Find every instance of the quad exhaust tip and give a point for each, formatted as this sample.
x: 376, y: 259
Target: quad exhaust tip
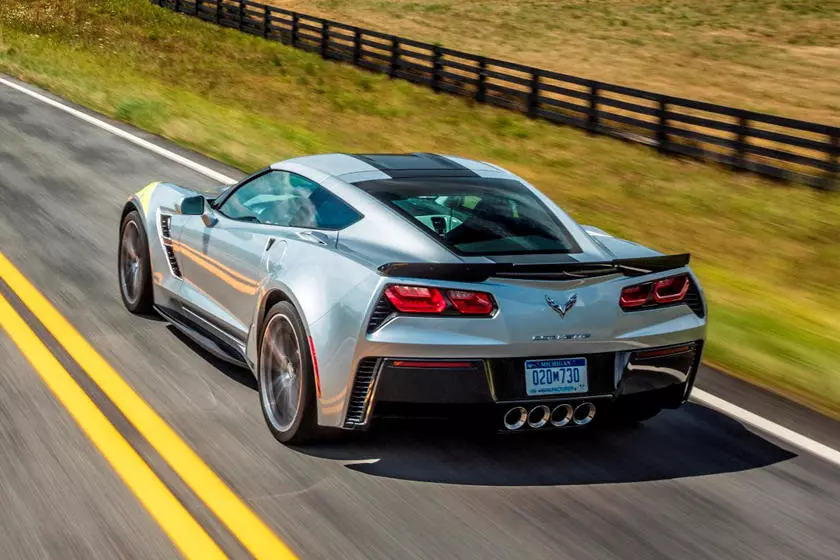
x: 561, y: 415
x: 515, y: 418
x: 584, y: 413
x: 541, y: 415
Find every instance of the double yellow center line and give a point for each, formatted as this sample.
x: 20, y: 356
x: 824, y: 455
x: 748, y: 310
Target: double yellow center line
x: 184, y: 531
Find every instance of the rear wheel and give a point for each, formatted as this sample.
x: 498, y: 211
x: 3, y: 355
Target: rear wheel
x: 286, y: 377
x: 134, y: 267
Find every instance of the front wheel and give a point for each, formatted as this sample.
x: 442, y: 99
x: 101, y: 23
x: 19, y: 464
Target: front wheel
x: 134, y: 266
x: 286, y: 377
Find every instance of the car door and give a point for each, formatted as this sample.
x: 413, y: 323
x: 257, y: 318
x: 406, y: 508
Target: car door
x: 207, y: 280
x: 247, y: 237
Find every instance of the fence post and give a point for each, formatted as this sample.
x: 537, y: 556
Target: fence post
x: 481, y: 86
x: 220, y: 4
x: 325, y: 38
x: 395, y: 56
x: 197, y: 12
x: 662, y: 125
x: 834, y: 161
x: 267, y: 22
x: 357, y: 46
x: 436, y: 67
x: 534, y: 95
x: 295, y: 22
x: 592, y: 120
x: 241, y: 15
x: 177, y: 5
x: 740, y: 160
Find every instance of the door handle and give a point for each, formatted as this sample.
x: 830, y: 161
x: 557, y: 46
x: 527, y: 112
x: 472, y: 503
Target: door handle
x: 270, y: 243
x: 315, y: 236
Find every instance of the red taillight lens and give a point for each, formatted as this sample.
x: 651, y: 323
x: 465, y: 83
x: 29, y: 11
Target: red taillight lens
x: 416, y: 299
x: 635, y: 296
x: 471, y: 303
x: 670, y: 290
x: 659, y: 352
x: 667, y: 290
x: 420, y: 299
x: 432, y: 365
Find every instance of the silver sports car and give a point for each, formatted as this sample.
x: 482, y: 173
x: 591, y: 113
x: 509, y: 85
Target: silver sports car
x: 365, y: 286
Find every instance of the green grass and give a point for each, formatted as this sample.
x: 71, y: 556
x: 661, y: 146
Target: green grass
x: 777, y: 56
x: 766, y: 253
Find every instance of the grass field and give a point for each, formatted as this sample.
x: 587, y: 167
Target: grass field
x: 767, y: 254
x: 775, y: 56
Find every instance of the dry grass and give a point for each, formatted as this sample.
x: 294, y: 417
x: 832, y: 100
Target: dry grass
x: 767, y: 254
x: 775, y: 56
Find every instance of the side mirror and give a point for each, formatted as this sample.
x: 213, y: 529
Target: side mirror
x: 191, y: 206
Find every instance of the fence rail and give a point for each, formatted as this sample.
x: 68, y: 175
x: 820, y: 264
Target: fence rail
x: 783, y: 148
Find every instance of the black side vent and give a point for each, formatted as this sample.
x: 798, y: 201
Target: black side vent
x: 360, y: 396
x: 164, y: 226
x: 694, y: 301
x: 173, y: 263
x: 381, y: 313
x: 165, y: 231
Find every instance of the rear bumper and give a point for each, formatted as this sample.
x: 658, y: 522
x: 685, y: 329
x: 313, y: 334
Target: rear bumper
x: 423, y: 387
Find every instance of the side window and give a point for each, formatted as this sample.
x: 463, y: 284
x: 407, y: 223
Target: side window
x: 250, y: 200
x: 284, y: 199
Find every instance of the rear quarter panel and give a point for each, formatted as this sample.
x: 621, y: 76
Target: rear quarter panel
x: 332, y: 294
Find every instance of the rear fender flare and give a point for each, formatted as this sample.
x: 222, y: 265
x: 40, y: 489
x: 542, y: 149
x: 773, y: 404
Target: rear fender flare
x: 268, y: 295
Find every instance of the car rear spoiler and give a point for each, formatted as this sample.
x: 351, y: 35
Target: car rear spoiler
x: 478, y: 272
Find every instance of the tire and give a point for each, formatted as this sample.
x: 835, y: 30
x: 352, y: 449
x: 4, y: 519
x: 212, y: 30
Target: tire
x: 286, y: 377
x: 134, y: 267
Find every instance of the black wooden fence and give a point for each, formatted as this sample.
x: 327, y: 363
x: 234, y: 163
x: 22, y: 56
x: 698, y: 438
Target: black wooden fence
x: 780, y: 147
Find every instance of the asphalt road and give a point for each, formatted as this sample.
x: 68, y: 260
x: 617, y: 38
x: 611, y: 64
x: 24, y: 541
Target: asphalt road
x: 692, y: 483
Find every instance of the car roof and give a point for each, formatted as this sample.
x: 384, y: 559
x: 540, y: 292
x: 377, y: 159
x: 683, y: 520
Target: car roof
x: 354, y: 168
x: 341, y: 172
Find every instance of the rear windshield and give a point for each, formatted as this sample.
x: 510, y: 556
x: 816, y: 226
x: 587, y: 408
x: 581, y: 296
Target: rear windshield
x: 476, y: 216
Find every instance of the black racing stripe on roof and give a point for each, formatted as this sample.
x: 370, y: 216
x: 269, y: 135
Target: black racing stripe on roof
x: 404, y: 166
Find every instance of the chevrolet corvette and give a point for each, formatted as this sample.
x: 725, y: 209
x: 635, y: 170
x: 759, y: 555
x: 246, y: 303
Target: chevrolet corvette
x: 356, y: 287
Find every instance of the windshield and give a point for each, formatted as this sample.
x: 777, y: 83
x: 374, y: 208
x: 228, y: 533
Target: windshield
x: 476, y: 216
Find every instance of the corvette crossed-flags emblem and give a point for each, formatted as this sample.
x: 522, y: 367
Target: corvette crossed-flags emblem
x: 564, y: 308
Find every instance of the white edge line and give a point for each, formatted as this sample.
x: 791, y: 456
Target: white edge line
x: 763, y: 424
x: 707, y: 399
x: 168, y: 154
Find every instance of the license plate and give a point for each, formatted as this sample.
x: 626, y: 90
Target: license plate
x: 561, y: 376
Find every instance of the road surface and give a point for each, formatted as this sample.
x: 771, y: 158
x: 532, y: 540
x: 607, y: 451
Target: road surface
x: 692, y: 483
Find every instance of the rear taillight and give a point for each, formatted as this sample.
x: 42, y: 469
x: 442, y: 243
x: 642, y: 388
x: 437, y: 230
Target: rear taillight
x: 650, y: 294
x: 416, y: 299
x: 421, y: 299
x: 670, y: 290
x: 635, y: 296
x: 471, y: 303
